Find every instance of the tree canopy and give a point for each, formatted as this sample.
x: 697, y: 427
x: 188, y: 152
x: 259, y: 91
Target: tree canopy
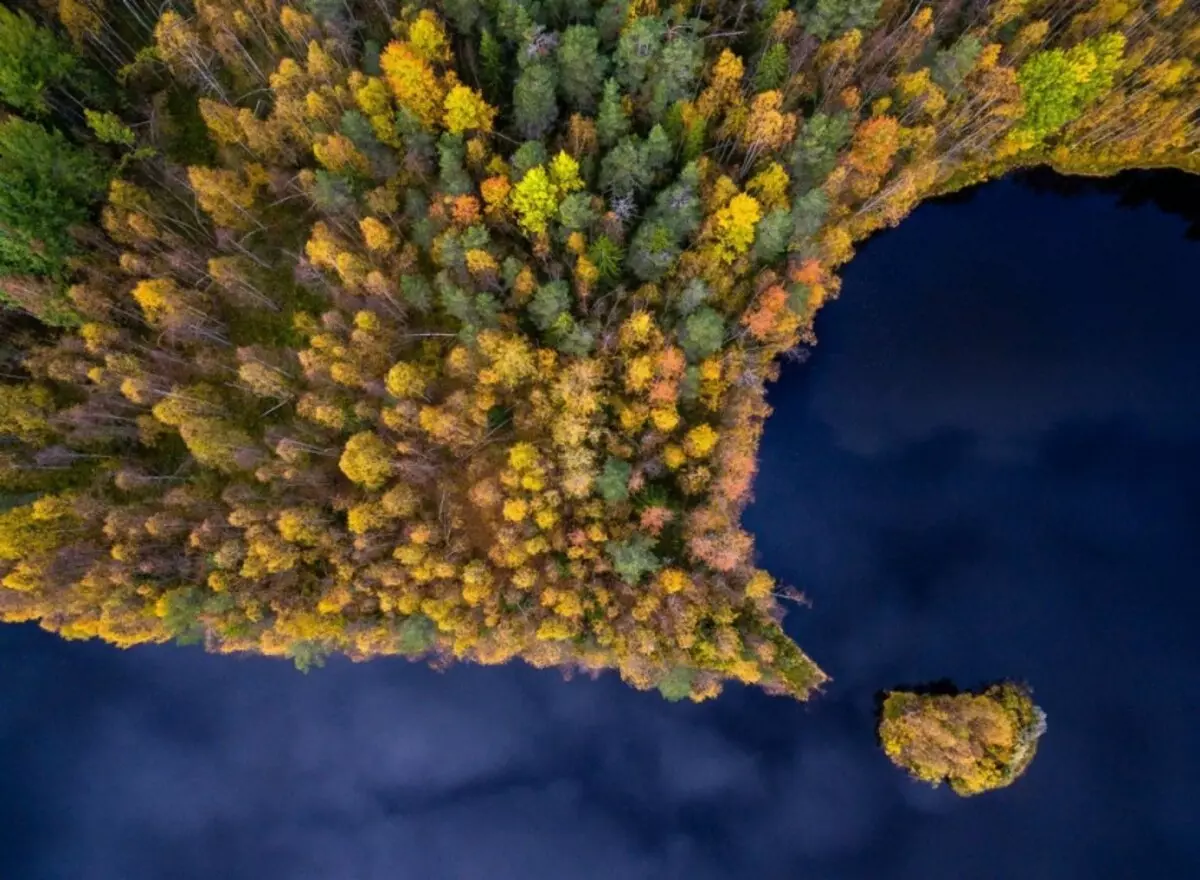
x: 442, y: 330
x: 976, y: 742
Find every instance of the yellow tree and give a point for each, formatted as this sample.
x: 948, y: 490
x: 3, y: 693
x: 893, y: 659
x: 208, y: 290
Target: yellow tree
x: 366, y: 460
x: 466, y: 110
x: 227, y: 197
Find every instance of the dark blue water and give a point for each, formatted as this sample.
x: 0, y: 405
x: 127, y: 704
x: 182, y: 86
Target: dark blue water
x: 990, y: 467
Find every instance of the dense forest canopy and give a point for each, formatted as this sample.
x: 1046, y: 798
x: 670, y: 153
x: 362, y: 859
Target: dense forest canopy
x: 976, y: 742
x: 442, y: 329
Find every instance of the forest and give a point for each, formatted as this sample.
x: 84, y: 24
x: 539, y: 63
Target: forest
x: 443, y: 329
x: 975, y: 741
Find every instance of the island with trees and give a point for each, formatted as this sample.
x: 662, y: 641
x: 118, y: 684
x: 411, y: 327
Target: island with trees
x: 976, y: 742
x: 442, y: 329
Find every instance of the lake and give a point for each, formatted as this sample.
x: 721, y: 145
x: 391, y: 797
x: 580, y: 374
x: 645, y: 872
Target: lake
x: 988, y: 468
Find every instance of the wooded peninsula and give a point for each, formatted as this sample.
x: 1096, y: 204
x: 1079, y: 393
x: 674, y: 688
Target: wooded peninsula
x: 443, y: 329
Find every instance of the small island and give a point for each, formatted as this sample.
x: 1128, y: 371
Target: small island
x: 975, y: 741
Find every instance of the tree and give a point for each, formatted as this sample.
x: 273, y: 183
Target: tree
x: 653, y: 250
x: 218, y: 444
x: 534, y: 200
x: 951, y: 65
x: 25, y: 412
x: 178, y: 44
x: 452, y: 175
x: 32, y: 529
x: 366, y: 460
x: 874, y: 146
x: 228, y: 197
x: 771, y: 235
x: 673, y: 76
x: 427, y: 38
x: 109, y: 128
x: 640, y: 42
x: 576, y: 212
x: 828, y: 18
x: 676, y: 685
x: 463, y: 14
x: 535, y: 108
x: 491, y: 58
x: 416, y: 633
x: 414, y: 82
x: 624, y: 170
x: 612, y: 122
x: 732, y: 228
x: 581, y: 67
x: 31, y: 60
x: 529, y: 155
x: 633, y: 558
x: 808, y: 214
x: 772, y: 68
x: 551, y: 302
x: 767, y: 127
x: 467, y: 111
x: 83, y: 19
x: 46, y: 187
x: 678, y: 206
x: 1057, y: 86
x: 339, y: 155
x: 814, y: 154
x: 613, y: 483
x: 703, y: 333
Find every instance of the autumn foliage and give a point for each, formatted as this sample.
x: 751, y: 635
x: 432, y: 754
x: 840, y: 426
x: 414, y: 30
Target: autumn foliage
x: 442, y: 329
x: 976, y: 742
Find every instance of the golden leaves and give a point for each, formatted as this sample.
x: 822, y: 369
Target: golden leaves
x: 414, y: 82
x: 466, y: 110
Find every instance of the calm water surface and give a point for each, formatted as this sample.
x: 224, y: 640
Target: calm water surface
x: 989, y: 468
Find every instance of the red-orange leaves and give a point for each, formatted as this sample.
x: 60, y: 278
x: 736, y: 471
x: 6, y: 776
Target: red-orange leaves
x: 874, y: 146
x: 770, y: 314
